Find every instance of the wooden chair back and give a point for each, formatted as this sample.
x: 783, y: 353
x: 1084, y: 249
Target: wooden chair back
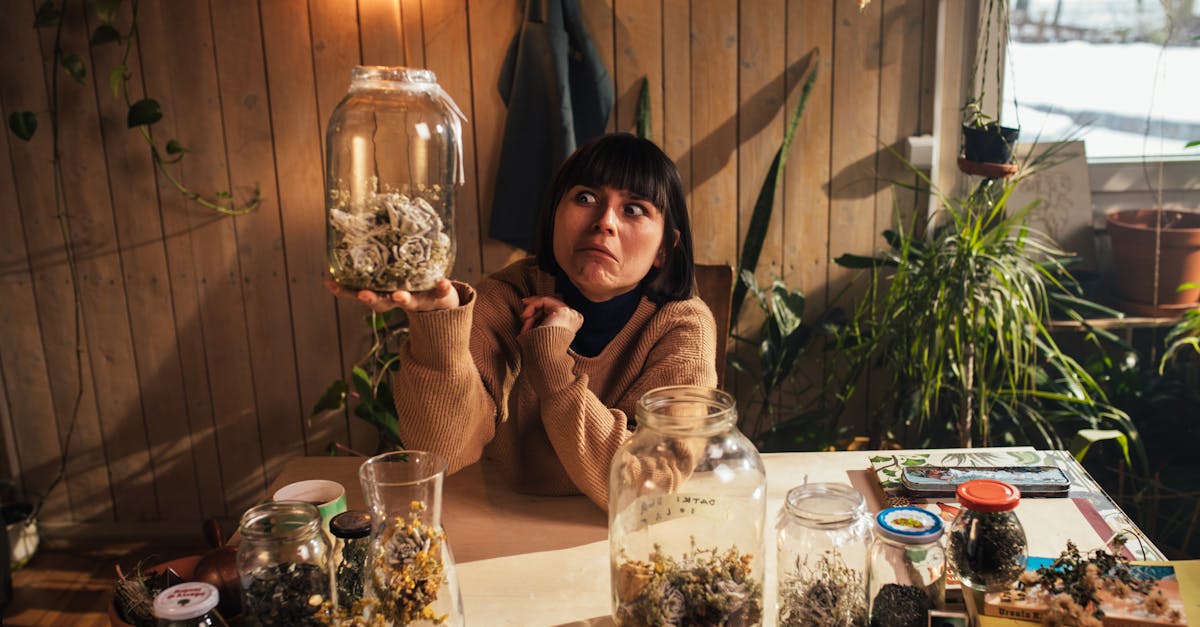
x: 714, y: 285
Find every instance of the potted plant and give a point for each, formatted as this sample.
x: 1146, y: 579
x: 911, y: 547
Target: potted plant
x: 985, y: 140
x: 957, y: 318
x: 987, y: 146
x: 1156, y: 260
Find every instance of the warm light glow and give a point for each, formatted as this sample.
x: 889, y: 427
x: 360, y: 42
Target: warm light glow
x: 358, y: 171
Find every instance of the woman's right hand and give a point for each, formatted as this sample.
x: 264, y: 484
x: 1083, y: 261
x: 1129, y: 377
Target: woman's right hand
x: 441, y: 296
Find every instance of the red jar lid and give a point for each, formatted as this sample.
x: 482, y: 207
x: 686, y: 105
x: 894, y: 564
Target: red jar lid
x: 988, y: 495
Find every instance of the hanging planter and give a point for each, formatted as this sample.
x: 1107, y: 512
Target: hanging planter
x: 990, y: 143
x: 987, y: 146
x: 1138, y: 236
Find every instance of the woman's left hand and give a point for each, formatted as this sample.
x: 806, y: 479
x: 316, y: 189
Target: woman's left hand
x: 546, y: 311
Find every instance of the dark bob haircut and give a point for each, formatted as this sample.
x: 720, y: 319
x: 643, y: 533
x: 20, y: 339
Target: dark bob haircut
x: 625, y: 161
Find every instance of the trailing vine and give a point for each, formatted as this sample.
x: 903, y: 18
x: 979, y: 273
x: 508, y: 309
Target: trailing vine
x: 142, y: 115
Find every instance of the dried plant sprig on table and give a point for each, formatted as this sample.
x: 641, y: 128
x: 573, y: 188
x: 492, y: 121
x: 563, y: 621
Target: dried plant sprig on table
x: 831, y: 594
x: 701, y: 587
x: 388, y: 241
x: 1070, y: 586
x: 134, y: 593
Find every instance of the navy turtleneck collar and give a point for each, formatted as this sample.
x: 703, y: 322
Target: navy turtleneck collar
x: 601, y: 321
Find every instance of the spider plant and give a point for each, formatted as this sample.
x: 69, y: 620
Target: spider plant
x: 958, y: 321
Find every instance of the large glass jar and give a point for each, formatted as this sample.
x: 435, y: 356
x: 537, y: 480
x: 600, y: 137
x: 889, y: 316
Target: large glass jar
x: 687, y: 507
x: 283, y: 563
x: 410, y: 576
x: 987, y: 542
x: 394, y: 158
x: 821, y: 550
x: 906, y: 568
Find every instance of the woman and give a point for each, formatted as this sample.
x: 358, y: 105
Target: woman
x: 540, y: 366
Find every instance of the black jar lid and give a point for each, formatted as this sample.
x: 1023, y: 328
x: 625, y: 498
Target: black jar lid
x: 354, y: 523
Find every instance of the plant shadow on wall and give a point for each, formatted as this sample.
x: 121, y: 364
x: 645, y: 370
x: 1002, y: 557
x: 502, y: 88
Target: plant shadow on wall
x: 956, y: 322
x: 141, y: 115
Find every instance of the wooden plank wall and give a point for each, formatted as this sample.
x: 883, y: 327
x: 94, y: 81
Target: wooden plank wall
x: 203, y: 342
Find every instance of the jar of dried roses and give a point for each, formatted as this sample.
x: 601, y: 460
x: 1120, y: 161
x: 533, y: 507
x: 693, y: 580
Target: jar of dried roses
x: 394, y: 161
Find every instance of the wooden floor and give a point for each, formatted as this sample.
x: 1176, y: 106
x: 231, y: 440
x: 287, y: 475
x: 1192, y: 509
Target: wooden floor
x: 72, y: 585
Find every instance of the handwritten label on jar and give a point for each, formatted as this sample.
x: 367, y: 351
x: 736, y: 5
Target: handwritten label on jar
x: 658, y: 508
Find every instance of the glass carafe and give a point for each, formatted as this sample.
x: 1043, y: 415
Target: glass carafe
x: 687, y: 507
x: 410, y: 577
x: 394, y: 159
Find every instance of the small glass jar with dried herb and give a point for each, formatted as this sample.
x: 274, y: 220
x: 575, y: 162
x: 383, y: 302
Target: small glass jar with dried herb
x: 906, y: 568
x: 351, y: 531
x: 394, y: 161
x: 283, y: 562
x: 686, y: 514
x: 823, y: 533
x: 987, y: 544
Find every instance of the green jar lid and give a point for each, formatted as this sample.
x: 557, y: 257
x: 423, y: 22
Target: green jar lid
x: 353, y: 523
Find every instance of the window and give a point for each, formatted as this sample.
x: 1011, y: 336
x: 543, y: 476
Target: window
x: 1120, y: 73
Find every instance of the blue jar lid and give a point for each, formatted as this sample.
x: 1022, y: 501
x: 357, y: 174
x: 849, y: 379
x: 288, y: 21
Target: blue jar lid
x: 910, y: 525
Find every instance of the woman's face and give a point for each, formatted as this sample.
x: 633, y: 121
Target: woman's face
x: 606, y: 240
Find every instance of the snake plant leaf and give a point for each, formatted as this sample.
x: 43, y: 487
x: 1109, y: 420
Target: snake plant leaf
x: 764, y: 205
x: 47, y: 15
x: 23, y: 124
x: 333, y: 398
x: 643, y: 110
x: 74, y: 66
x: 143, y: 113
x: 104, y: 34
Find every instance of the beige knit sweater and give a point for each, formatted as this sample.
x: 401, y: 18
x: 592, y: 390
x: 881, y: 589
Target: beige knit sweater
x: 471, y: 385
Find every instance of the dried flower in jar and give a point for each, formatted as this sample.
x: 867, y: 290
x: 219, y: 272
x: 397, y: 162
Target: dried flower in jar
x: 702, y: 587
x: 829, y: 595
x: 391, y: 241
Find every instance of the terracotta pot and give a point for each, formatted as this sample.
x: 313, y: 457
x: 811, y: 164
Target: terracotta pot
x: 1133, y: 234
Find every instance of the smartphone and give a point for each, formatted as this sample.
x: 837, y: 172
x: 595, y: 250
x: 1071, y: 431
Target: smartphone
x: 942, y: 481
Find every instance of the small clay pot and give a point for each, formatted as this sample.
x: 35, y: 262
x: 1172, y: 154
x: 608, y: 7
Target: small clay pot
x: 219, y: 567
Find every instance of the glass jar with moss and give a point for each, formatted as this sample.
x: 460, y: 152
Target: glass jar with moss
x: 393, y: 162
x: 686, y: 513
x: 987, y: 544
x: 283, y: 563
x: 821, y: 553
x: 906, y: 568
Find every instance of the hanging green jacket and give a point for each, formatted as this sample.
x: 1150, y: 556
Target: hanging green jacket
x: 559, y: 95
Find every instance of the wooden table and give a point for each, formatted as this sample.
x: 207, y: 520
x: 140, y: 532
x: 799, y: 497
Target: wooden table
x: 531, y: 560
